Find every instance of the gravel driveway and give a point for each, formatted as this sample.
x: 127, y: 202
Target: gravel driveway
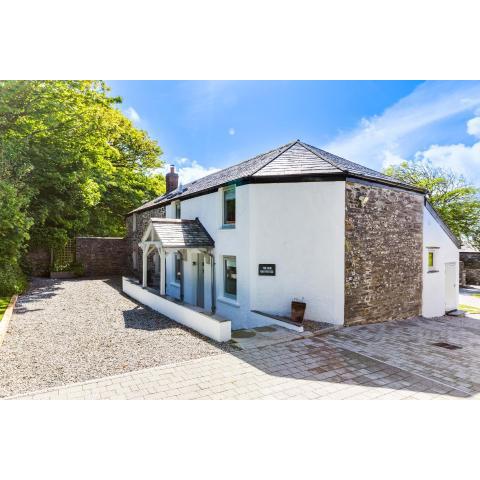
x: 75, y: 330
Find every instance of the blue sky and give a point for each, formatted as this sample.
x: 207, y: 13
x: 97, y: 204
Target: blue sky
x: 207, y: 125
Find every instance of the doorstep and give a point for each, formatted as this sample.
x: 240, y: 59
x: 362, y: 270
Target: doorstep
x: 248, y: 338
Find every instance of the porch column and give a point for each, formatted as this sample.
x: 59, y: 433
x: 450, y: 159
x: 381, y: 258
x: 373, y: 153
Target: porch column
x: 144, y: 265
x: 163, y: 271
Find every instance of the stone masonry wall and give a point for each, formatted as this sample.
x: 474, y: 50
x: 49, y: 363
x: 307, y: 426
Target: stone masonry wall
x: 471, y: 261
x: 134, y: 237
x: 383, y: 253
x: 102, y: 256
x: 38, y: 261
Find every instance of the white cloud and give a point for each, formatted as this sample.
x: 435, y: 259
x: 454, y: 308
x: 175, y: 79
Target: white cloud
x: 231, y: 131
x: 473, y: 127
x: 132, y: 114
x: 391, y: 132
x: 463, y: 159
x: 460, y: 158
x: 189, y: 170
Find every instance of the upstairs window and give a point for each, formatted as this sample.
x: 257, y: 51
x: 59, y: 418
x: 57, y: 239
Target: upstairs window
x: 178, y: 210
x: 229, y: 207
x: 230, y: 277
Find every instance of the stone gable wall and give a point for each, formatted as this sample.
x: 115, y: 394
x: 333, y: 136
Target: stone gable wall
x: 471, y: 263
x: 134, y: 237
x: 383, y: 253
x: 101, y: 256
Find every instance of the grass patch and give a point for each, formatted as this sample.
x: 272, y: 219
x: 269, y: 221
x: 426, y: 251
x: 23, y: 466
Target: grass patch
x: 469, y: 309
x: 476, y: 295
x: 4, y: 301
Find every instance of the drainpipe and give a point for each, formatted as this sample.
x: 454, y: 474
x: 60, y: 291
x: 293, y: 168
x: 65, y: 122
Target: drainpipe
x: 212, y: 260
x: 181, y: 275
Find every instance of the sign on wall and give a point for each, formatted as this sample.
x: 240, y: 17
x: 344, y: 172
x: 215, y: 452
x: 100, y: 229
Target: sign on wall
x: 266, y: 269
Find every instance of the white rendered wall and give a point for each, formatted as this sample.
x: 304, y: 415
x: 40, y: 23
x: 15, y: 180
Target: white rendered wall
x: 433, y: 294
x: 300, y: 227
x: 210, y: 327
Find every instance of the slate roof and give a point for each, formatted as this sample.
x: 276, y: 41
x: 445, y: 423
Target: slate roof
x: 180, y: 233
x: 294, y: 158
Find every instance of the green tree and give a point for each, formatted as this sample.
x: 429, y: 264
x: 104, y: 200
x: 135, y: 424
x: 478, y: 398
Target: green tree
x: 76, y: 163
x: 453, y: 197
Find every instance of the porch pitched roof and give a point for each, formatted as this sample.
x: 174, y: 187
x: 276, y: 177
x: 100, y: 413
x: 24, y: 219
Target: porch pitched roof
x: 181, y: 233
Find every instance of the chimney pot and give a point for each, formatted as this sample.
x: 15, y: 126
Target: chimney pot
x: 171, y: 179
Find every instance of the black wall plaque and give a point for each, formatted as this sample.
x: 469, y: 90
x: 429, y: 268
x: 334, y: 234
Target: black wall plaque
x: 266, y: 269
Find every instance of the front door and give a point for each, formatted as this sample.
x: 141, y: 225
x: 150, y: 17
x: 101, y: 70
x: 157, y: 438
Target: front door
x: 200, y: 280
x: 450, y: 286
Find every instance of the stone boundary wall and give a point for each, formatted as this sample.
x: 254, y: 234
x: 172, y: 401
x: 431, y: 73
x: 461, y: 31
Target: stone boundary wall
x: 471, y: 264
x: 38, y: 261
x: 383, y: 253
x: 102, y: 256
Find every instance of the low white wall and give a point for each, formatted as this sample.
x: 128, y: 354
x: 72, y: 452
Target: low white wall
x: 210, y: 327
x: 433, y: 294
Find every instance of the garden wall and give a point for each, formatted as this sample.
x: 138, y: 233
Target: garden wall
x: 471, y: 262
x: 102, y: 256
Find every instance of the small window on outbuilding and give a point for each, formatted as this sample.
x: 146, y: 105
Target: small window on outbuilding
x: 432, y: 260
x: 135, y: 259
x: 229, y: 207
x: 134, y: 222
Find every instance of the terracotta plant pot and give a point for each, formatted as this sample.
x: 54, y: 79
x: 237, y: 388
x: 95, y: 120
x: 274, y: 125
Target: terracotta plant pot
x: 298, y: 311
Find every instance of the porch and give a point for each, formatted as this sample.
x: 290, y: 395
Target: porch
x: 190, y: 302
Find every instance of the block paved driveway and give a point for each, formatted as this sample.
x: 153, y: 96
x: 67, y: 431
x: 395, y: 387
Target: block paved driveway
x: 393, y: 360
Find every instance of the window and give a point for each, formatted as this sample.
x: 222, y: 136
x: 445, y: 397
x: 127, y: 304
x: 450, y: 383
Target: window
x: 177, y: 210
x: 229, y: 207
x: 230, y: 277
x: 178, y: 268
x: 432, y: 260
x: 135, y: 259
x: 134, y: 222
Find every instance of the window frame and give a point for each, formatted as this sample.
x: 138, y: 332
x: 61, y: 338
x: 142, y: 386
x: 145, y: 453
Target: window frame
x: 177, y: 274
x: 226, y: 191
x: 432, y: 254
x: 225, y: 293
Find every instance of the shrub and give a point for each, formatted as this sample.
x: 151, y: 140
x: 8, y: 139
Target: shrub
x: 12, y: 280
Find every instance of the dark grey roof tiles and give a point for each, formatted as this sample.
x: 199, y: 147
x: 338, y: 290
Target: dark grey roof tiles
x: 176, y: 233
x: 295, y: 158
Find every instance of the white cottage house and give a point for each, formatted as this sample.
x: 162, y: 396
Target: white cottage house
x: 233, y: 249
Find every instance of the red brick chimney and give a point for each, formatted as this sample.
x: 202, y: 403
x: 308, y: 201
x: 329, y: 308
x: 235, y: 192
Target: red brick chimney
x: 171, y: 179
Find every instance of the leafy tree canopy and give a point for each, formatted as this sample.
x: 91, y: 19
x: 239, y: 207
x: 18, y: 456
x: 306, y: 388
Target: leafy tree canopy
x: 67, y: 147
x: 70, y: 163
x: 455, y: 199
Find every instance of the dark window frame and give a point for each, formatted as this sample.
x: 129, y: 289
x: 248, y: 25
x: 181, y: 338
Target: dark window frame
x: 229, y: 207
x: 230, y: 277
